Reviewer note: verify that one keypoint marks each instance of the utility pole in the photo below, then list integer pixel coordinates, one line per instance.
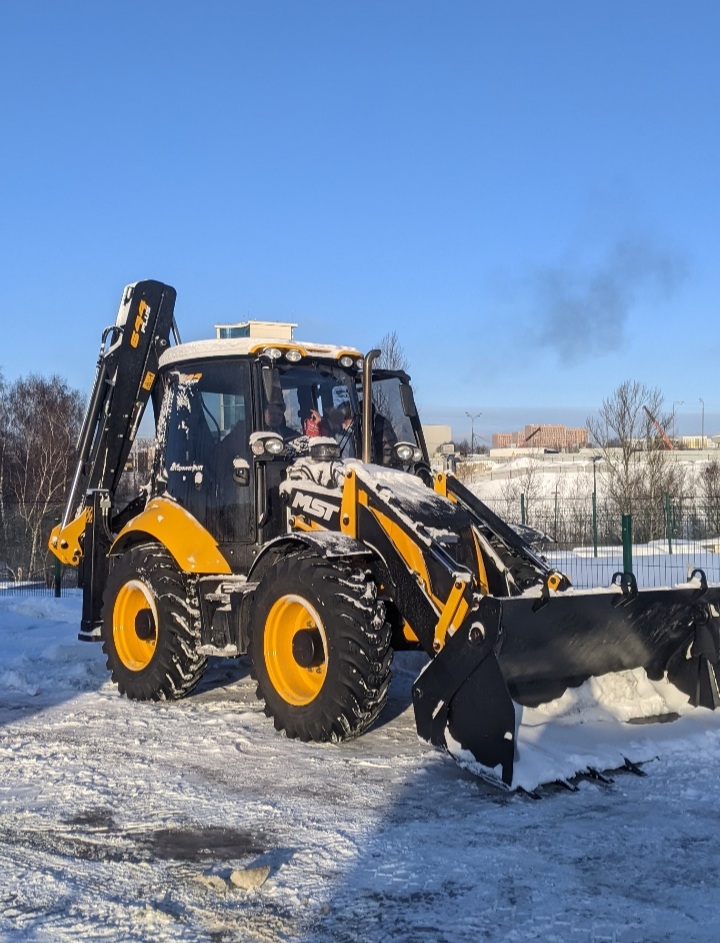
(472, 417)
(678, 402)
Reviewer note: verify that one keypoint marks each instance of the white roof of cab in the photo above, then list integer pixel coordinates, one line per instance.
(242, 346)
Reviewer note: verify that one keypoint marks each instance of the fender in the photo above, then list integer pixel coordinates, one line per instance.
(186, 540)
(328, 543)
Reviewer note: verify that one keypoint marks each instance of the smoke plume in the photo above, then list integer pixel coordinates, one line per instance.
(580, 314)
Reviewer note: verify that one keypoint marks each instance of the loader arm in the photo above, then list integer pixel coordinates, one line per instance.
(513, 566)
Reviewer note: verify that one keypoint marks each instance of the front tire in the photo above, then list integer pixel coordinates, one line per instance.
(151, 629)
(319, 647)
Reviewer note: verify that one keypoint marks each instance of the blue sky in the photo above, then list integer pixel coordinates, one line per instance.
(526, 192)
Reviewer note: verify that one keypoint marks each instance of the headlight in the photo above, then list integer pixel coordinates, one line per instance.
(274, 445)
(346, 361)
(324, 450)
(266, 443)
(274, 353)
(293, 355)
(404, 451)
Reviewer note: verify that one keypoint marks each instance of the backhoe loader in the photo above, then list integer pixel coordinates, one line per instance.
(292, 516)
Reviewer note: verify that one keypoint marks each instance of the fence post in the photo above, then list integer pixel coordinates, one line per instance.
(58, 572)
(522, 508)
(627, 542)
(668, 522)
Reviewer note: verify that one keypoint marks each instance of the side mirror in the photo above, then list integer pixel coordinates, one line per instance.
(408, 400)
(241, 472)
(271, 383)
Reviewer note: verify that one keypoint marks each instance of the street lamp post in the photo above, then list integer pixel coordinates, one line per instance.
(596, 459)
(472, 417)
(678, 402)
(702, 426)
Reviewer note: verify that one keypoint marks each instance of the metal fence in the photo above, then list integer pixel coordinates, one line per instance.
(16, 574)
(40, 583)
(586, 539)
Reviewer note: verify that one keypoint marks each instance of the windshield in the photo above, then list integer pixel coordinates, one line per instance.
(388, 404)
(311, 401)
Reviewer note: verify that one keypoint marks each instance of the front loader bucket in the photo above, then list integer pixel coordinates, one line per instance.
(578, 635)
(531, 649)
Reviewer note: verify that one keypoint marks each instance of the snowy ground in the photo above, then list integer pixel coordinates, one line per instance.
(123, 821)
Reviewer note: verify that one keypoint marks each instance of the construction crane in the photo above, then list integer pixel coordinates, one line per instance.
(663, 435)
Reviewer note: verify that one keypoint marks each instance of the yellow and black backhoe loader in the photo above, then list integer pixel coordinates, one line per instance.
(291, 516)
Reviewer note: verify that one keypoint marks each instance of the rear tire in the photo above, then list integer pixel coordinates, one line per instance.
(319, 647)
(151, 628)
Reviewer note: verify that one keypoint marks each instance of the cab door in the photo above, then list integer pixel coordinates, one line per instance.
(206, 462)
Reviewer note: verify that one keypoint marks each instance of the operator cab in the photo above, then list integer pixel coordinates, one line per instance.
(234, 414)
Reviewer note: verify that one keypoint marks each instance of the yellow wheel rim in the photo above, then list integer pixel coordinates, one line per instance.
(296, 684)
(135, 622)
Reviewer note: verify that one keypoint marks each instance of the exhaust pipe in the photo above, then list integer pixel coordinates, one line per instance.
(370, 359)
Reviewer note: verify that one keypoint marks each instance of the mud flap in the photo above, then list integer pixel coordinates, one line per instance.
(461, 701)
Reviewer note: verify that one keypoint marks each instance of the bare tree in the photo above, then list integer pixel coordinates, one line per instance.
(392, 356)
(43, 420)
(710, 490)
(528, 483)
(3, 444)
(636, 472)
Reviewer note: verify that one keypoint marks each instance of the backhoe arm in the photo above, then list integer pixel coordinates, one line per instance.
(124, 379)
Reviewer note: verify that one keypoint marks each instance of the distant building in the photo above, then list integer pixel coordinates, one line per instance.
(436, 437)
(698, 442)
(557, 437)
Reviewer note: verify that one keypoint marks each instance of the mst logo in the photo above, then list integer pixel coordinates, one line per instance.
(314, 507)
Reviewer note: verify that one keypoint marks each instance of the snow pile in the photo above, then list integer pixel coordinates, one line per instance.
(40, 650)
(599, 726)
